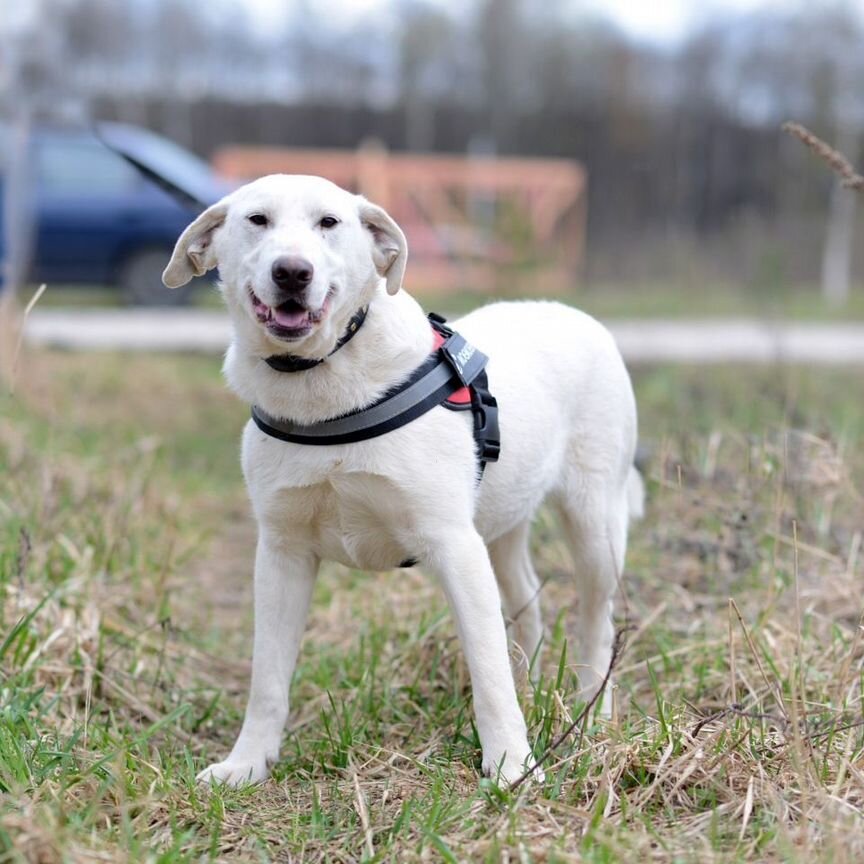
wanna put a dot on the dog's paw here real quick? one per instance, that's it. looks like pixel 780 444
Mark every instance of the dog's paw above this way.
pixel 506 771
pixel 234 772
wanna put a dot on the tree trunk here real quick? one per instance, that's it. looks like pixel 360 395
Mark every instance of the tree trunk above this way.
pixel 840 231
pixel 17 237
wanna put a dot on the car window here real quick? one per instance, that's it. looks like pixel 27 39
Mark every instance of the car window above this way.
pixel 79 166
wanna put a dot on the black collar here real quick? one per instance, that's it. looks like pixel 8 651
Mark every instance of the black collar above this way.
pixel 293 363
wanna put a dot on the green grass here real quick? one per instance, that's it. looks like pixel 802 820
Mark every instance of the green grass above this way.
pixel 657 300
pixel 628 300
pixel 125 559
pixel 676 301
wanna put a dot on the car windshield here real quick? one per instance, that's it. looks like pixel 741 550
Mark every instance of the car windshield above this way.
pixel 172 159
pixel 162 156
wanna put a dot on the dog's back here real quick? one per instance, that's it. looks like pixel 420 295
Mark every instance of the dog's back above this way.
pixel 566 405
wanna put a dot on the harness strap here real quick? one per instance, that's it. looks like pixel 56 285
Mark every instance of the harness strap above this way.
pixel 484 406
pixel 390 413
pixel 453 367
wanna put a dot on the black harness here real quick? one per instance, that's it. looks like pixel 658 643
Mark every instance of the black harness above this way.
pixel 454 367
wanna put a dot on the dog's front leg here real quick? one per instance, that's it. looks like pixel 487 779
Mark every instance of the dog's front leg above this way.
pixel 462 564
pixel 283 589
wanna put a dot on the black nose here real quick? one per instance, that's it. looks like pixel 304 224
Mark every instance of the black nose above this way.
pixel 292 273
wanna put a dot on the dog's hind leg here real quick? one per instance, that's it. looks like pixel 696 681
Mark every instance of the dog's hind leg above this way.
pixel 520 593
pixel 595 521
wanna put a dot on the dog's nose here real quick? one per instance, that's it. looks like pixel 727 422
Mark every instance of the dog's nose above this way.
pixel 292 273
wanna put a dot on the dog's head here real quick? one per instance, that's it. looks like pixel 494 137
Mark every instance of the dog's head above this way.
pixel 297 256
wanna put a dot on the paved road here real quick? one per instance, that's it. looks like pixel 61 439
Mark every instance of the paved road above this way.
pixel 715 341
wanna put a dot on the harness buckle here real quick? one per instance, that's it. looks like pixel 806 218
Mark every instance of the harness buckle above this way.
pixel 439 322
pixel 491 451
pixel 487 432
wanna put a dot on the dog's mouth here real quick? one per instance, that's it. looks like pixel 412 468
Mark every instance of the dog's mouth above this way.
pixel 291 319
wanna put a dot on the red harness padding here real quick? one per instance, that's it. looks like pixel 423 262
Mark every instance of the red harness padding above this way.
pixel 461 398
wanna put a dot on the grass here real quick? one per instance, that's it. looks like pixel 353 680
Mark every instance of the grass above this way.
pixel 125 554
pixel 670 301
pixel 628 300
pixel 717 300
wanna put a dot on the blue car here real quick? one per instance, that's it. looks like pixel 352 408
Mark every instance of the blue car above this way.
pixel 97 220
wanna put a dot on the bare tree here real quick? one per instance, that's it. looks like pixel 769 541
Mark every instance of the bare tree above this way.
pixel 426 33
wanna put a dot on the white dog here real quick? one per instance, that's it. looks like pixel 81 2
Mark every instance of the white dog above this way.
pixel 298 257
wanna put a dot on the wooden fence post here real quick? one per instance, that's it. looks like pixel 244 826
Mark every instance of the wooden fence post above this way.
pixel 373 175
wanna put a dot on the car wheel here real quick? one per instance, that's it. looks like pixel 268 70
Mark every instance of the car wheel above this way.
pixel 140 280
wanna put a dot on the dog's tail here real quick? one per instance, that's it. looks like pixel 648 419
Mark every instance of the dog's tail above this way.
pixel 635 494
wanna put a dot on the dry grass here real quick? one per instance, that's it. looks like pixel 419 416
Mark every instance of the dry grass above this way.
pixel 835 160
pixel 124 561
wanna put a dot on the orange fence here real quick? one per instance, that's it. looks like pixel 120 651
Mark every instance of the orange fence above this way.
pixel 508 226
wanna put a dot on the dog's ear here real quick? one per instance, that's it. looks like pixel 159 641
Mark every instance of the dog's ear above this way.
pixel 193 255
pixel 389 247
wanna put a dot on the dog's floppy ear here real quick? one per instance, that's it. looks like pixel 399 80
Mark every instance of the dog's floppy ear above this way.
pixel 389 247
pixel 193 255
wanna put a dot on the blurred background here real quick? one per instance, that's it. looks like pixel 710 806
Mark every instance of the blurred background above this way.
pixel 625 156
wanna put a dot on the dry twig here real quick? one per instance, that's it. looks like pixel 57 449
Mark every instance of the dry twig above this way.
pixel 12 329
pixel 617 650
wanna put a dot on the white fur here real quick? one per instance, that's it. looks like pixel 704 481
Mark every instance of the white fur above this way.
pixel 568 432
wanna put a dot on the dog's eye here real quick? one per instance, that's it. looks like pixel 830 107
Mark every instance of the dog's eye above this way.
pixel 328 222
pixel 258 219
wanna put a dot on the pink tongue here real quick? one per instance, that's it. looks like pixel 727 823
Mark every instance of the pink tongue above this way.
pixel 290 319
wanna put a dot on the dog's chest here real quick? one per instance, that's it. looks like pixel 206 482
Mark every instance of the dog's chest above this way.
pixel 359 519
